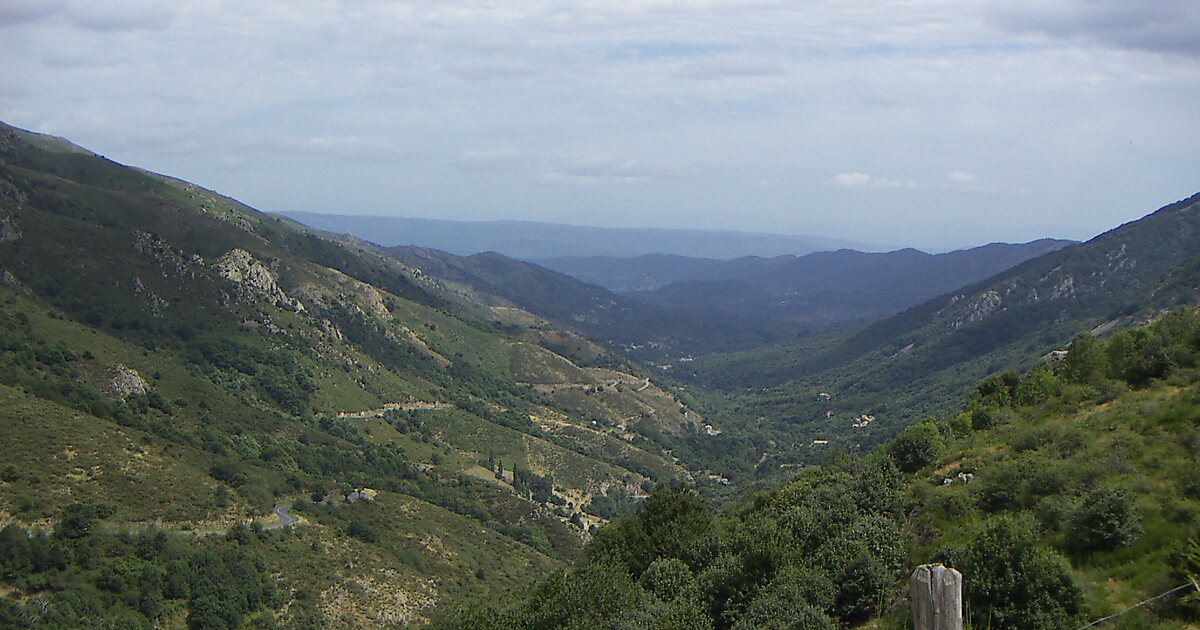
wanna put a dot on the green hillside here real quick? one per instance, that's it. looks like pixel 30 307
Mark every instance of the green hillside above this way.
pixel 647 331
pixel 1063 494
pixel 923 360
pixel 827 290
pixel 173 361
pixel 216 418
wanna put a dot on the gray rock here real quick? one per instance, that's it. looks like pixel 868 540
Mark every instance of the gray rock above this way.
pixel 125 382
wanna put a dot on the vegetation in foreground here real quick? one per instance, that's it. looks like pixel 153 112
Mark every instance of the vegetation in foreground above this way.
pixel 1065 493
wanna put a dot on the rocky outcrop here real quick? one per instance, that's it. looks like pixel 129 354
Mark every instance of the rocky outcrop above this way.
pixel 124 382
pixel 371 300
pixel 979 309
pixel 7 278
pixel 1064 289
pixel 9 232
pixel 253 278
pixel 161 252
pixel 153 301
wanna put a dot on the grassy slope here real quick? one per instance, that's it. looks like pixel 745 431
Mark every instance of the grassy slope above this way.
pixel 1032 448
pixel 114 266
pixel 921 361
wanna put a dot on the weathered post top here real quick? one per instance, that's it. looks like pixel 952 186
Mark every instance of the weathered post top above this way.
pixel 936 598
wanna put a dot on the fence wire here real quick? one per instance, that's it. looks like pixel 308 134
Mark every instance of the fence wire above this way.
pixel 1181 587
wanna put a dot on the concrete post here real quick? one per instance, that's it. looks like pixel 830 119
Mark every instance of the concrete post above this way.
pixel 936 598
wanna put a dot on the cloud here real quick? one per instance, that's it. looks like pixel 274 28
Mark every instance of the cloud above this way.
pixel 750 90
pixel 855 179
pixel 893 182
pixel 489 159
pixel 600 169
pixel 498 69
pixel 718 69
pixel 1163 26
pixel 121 15
pixel 333 147
pixel 14 12
pixel 964 182
pixel 849 180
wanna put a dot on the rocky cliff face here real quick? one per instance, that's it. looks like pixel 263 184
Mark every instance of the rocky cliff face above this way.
pixel 9 231
pixel 253 278
pixel 125 382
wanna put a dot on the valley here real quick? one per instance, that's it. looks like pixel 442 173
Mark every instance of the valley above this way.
pixel 378 436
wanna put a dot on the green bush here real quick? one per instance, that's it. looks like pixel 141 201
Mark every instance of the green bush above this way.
pixel 1010 581
pixel 1107 518
pixel 666 578
pixel 362 531
pixel 917 446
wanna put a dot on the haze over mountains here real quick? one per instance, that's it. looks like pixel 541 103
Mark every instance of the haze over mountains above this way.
pixel 532 240
pixel 923 360
pixel 747 302
pixel 453 426
pixel 673 304
pixel 649 272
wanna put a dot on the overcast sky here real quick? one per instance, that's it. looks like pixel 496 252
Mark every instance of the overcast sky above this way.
pixel 906 122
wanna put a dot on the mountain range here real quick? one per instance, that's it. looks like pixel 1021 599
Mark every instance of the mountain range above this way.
pixel 530 240
pixel 744 303
pixel 216 417
pixel 173 361
pixel 922 361
pixel 818 290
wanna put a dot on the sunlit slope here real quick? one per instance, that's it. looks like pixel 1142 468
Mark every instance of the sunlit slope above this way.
pixel 921 361
pixel 185 360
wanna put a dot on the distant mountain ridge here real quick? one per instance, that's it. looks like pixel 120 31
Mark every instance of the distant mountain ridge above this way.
pixel 646 330
pixel 919 361
pixel 531 240
pixel 816 291
pixel 827 289
pixel 171 358
pixel 647 273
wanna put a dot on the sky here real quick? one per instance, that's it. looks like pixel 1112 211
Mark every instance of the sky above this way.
pixel 929 123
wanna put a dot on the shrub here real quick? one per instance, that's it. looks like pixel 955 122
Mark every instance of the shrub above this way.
pixel 1107 518
pixel 1011 582
pixel 917 446
pixel 362 531
pixel 666 578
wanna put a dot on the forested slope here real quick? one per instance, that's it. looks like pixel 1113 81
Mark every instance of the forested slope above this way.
pixel 921 361
pixel 173 361
pixel 1063 494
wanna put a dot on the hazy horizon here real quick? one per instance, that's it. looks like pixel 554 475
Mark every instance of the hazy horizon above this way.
pixel 932 124
pixel 841 243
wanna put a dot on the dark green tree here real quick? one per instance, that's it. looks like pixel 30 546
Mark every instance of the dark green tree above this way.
pixel 1107 518
pixel 917 446
pixel 1011 581
pixel 1086 362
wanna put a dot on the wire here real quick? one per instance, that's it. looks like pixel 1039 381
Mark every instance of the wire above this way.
pixel 1097 622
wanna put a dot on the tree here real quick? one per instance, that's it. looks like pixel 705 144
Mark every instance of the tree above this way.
pixel 1010 581
pixel 773 612
pixel 671 520
pixel 863 562
pixel 1085 363
pixel 666 578
pixel 917 446
pixel 362 531
pixel 1037 385
pixel 1136 356
pixel 1107 518
pixel 77 521
pixel 998 389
